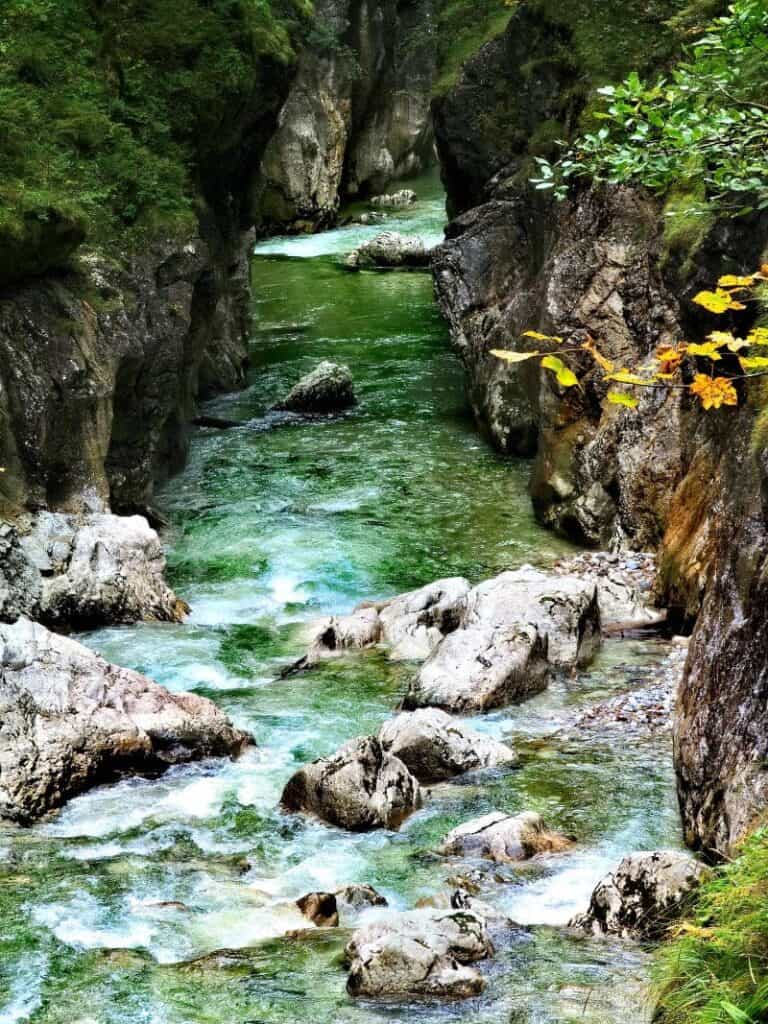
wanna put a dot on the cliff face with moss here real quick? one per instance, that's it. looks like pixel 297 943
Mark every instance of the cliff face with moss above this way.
pixel 611 264
pixel 142 143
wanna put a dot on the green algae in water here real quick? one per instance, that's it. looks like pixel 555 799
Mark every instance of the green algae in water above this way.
pixel 103 908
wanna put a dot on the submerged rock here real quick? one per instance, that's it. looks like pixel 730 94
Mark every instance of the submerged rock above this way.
pixel 69 720
pixel 421 953
pixel 100 568
pixel 435 746
pixel 357 897
pixel 360 787
pixel 481 667
pixel 394 200
pixel 645 894
pixel 503 837
pixel 328 388
pixel 388 250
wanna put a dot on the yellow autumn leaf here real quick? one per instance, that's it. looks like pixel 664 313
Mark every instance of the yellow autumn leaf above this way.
pixel 758 336
pixel 617 398
pixel 669 358
pixel 713 392
pixel 627 377
pixel 724 339
pixel 602 362
pixel 542 337
pixel 565 376
pixel 734 281
pixel 708 350
pixel 513 357
pixel 753 362
pixel 718 301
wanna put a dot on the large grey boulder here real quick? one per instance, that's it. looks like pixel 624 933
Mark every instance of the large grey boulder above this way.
pixel 565 608
pixel 643 896
pixel 327 388
pixel 404 197
pixel 20 582
pixel 503 837
pixel 422 953
pixel 389 250
pixel 69 720
pixel 99 568
pixel 435 746
pixel 481 667
pixel 360 787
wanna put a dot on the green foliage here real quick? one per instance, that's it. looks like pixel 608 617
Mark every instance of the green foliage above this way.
pixel 715 970
pixel 462 29
pixel 110 110
pixel 707 121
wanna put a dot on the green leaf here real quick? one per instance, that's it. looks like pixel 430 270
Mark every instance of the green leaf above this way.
pixel 737 1015
pixel 565 377
pixel 617 398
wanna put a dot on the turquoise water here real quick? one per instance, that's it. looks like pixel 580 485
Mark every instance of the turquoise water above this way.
pixel 106 910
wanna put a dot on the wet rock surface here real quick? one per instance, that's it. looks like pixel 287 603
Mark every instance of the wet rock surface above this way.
pixel 644 896
pixel 328 388
pixel 419 954
pixel 503 838
pixel 387 251
pixel 69 720
pixel 435 746
pixel 358 788
pixel 394 200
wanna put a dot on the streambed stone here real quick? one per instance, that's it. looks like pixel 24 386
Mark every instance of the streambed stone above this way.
pixel 360 787
pixel 394 200
pixel 388 250
pixel 327 388
pixel 69 720
pixel 643 896
pixel 503 837
pixel 435 746
pixel 422 953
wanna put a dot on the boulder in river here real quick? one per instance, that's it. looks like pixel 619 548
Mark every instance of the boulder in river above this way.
pixel 387 251
pixel 394 200
pixel 481 667
pixel 360 787
pixel 643 896
pixel 503 837
pixel 320 908
pixel 69 720
pixel 98 569
pixel 358 897
pixel 328 388
pixel 422 953
pixel 434 746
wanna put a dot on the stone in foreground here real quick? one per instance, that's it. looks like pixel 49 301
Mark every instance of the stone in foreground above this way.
pixel 70 720
pixel 387 251
pixel 435 746
pixel 360 787
pixel 503 838
pixel 481 667
pixel 328 388
pixel 645 894
pixel 420 954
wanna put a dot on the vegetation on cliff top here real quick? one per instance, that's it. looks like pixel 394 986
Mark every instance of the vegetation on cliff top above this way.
pixel 705 122
pixel 715 971
pixel 113 112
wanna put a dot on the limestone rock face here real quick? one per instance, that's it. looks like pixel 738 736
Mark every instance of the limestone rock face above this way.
pixel 503 837
pixel 435 746
pixel 421 953
pixel 481 667
pixel 387 251
pixel 357 115
pixel 643 896
pixel 360 787
pixel 69 720
pixel 99 568
pixel 327 388
pixel 20 581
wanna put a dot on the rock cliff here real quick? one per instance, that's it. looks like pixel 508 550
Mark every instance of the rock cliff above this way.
pixel 611 264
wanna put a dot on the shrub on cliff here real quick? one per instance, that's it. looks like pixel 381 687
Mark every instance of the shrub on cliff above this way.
pixel 715 969
pixel 117 114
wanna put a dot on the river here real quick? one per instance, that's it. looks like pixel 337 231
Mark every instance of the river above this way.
pixel 104 908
